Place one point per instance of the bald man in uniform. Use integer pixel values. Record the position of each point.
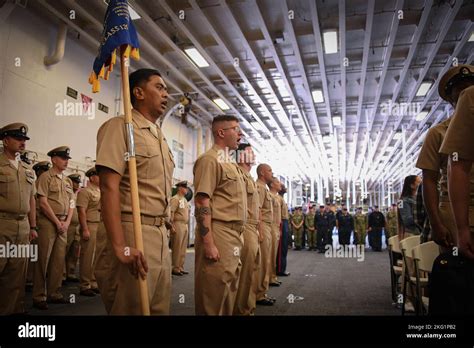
(119, 263)
(221, 213)
(265, 177)
(275, 186)
(17, 216)
(57, 201)
(179, 237)
(88, 206)
(458, 144)
(250, 255)
(73, 245)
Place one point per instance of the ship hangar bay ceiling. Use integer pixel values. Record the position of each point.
(336, 92)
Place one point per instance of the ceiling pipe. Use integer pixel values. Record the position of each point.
(58, 54)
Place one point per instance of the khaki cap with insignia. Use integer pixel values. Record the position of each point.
(42, 165)
(92, 171)
(451, 77)
(62, 151)
(75, 178)
(17, 130)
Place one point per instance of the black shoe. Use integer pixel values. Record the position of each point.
(265, 302)
(41, 305)
(61, 300)
(72, 279)
(184, 272)
(298, 248)
(283, 274)
(176, 273)
(87, 292)
(275, 284)
(96, 290)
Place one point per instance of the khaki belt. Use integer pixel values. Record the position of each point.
(62, 217)
(236, 226)
(13, 216)
(145, 219)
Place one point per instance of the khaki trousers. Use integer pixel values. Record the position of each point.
(447, 218)
(265, 253)
(179, 243)
(250, 257)
(72, 249)
(13, 269)
(274, 251)
(216, 282)
(51, 260)
(88, 259)
(119, 288)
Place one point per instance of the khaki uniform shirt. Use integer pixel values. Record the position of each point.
(222, 182)
(276, 208)
(253, 199)
(180, 208)
(89, 199)
(284, 209)
(431, 158)
(155, 163)
(17, 186)
(265, 201)
(459, 137)
(57, 188)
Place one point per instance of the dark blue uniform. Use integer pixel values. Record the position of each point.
(376, 223)
(345, 228)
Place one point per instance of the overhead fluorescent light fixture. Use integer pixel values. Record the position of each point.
(196, 57)
(221, 104)
(326, 138)
(424, 88)
(421, 116)
(337, 121)
(398, 135)
(133, 14)
(330, 41)
(318, 96)
(471, 38)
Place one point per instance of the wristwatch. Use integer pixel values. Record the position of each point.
(36, 228)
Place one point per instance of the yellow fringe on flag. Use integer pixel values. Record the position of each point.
(113, 58)
(96, 86)
(94, 80)
(102, 72)
(126, 53)
(135, 53)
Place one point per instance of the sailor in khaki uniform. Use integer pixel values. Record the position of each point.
(458, 144)
(56, 200)
(119, 263)
(17, 217)
(88, 206)
(179, 236)
(275, 187)
(250, 255)
(73, 245)
(221, 213)
(39, 168)
(265, 176)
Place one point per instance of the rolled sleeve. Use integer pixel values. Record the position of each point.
(429, 158)
(43, 185)
(82, 199)
(206, 175)
(111, 145)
